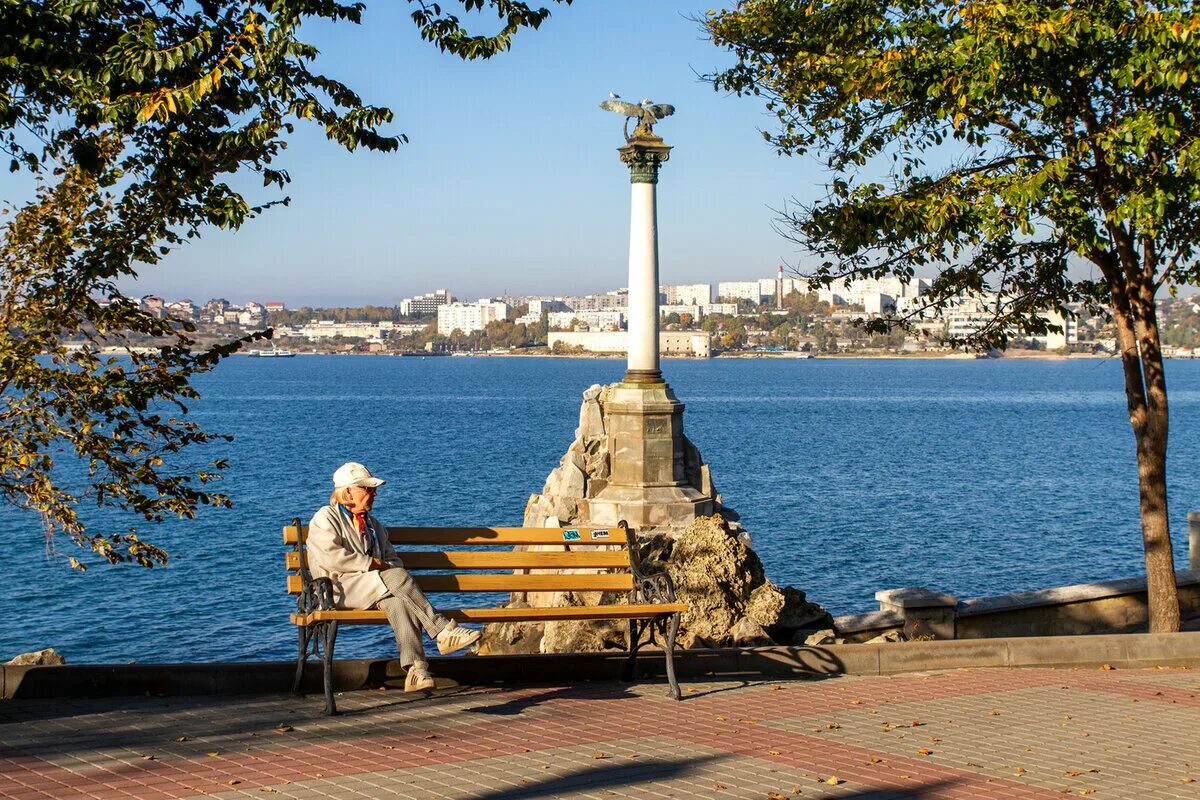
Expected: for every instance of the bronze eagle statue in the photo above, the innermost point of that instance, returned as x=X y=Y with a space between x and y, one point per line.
x=647 y=114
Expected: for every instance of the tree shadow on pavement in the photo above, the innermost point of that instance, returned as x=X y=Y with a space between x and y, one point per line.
x=583 y=691
x=631 y=776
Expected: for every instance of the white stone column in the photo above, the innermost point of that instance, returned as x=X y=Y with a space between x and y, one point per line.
x=643 y=153
x=643 y=280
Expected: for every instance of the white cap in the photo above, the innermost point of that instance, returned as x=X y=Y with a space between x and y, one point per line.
x=354 y=474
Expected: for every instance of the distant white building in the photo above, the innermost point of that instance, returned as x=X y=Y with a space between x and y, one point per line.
x=328 y=329
x=694 y=310
x=670 y=343
x=741 y=290
x=610 y=320
x=688 y=294
x=469 y=317
x=424 y=303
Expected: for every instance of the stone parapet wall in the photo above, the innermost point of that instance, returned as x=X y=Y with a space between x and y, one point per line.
x=1115 y=606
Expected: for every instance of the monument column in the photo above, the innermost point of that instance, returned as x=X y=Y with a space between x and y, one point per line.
x=643 y=153
x=643 y=421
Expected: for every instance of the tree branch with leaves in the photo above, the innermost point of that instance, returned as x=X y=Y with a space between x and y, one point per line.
x=1071 y=135
x=132 y=117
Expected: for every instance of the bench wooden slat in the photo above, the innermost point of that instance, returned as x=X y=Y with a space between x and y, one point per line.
x=520 y=559
x=497 y=536
x=629 y=611
x=568 y=582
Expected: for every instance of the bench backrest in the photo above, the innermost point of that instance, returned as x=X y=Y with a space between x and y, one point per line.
x=474 y=570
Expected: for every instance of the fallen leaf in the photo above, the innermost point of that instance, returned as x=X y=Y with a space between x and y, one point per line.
x=1019 y=771
x=856 y=702
x=388 y=747
x=282 y=728
x=916 y=723
x=719 y=786
x=925 y=751
x=776 y=688
x=1188 y=779
x=797 y=790
x=1066 y=716
x=831 y=726
x=904 y=776
x=1087 y=791
x=233 y=781
x=720 y=718
x=774 y=753
x=213 y=754
x=181 y=738
x=834 y=780
x=994 y=713
x=600 y=755
x=876 y=760
x=748 y=721
x=147 y=758
x=268 y=790
x=1106 y=668
x=1072 y=773
x=429 y=736
x=776 y=796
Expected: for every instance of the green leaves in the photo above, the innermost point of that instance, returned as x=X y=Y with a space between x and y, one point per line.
x=133 y=117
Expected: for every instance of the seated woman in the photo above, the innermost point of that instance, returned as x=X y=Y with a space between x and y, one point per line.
x=351 y=548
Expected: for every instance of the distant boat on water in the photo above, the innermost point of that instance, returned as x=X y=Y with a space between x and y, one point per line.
x=274 y=352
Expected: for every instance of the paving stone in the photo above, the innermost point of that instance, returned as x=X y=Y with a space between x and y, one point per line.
x=727 y=739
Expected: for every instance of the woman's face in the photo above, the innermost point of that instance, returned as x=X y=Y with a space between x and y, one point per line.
x=359 y=499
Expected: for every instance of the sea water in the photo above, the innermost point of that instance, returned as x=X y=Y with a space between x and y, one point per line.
x=851 y=475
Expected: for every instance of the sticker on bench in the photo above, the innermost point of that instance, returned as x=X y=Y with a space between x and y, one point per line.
x=571 y=535
x=602 y=533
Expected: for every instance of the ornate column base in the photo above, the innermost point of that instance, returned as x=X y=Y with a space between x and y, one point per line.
x=648 y=485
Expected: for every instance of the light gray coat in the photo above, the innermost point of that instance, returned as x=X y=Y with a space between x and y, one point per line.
x=336 y=550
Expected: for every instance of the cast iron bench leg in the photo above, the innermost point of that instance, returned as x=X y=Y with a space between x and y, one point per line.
x=669 y=648
x=330 y=632
x=304 y=633
x=635 y=642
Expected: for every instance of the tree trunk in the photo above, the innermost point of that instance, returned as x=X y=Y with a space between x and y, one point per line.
x=1150 y=434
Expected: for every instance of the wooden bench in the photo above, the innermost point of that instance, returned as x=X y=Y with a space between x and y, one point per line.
x=650 y=601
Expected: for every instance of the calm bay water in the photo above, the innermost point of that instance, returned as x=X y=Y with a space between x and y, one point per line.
x=972 y=477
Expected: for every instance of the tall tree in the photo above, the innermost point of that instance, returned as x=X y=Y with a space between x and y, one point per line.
x=132 y=116
x=1011 y=146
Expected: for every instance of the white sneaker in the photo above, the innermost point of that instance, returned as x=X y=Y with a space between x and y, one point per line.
x=418 y=679
x=454 y=637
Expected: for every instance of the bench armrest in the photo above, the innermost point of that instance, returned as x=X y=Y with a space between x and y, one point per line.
x=316 y=595
x=653 y=586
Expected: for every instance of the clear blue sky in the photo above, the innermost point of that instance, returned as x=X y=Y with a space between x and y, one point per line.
x=511 y=179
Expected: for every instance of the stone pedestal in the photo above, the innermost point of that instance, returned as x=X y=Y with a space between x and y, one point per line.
x=648 y=483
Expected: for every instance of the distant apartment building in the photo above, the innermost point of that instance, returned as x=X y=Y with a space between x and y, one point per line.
x=469 y=317
x=739 y=290
x=533 y=314
x=424 y=304
x=697 y=344
x=875 y=295
x=599 y=302
x=611 y=320
x=729 y=309
x=328 y=329
x=182 y=309
x=274 y=305
x=688 y=294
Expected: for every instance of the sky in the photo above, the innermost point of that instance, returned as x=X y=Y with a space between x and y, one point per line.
x=510 y=182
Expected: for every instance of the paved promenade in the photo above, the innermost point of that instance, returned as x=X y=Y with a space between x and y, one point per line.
x=1035 y=733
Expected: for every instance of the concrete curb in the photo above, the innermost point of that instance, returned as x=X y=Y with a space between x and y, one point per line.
x=1121 y=651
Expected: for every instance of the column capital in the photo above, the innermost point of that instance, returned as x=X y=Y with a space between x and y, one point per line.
x=644 y=153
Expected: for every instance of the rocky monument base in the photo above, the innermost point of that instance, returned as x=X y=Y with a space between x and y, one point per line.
x=730 y=600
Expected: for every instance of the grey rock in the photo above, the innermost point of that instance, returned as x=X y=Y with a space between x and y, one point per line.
x=41 y=658
x=593 y=392
x=573 y=482
x=821 y=637
x=887 y=636
x=748 y=633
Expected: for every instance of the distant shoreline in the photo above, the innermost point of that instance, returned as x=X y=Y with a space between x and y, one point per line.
x=1020 y=355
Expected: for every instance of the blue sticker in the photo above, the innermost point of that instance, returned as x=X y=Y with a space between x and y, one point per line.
x=602 y=533
x=571 y=535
